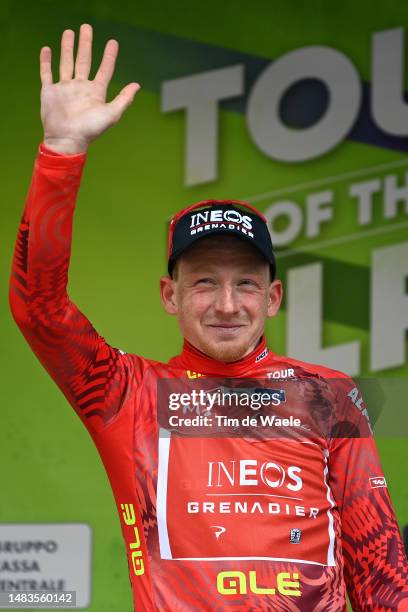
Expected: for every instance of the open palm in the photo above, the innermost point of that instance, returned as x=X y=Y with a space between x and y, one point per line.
x=74 y=110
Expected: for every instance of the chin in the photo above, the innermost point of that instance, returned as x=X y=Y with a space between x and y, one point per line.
x=227 y=352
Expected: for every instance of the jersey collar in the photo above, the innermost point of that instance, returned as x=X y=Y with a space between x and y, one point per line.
x=195 y=361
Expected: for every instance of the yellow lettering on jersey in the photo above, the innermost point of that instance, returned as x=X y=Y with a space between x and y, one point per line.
x=191 y=374
x=236 y=583
x=129 y=518
x=286 y=586
x=258 y=590
x=231 y=583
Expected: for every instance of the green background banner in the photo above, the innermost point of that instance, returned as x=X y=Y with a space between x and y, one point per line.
x=338 y=215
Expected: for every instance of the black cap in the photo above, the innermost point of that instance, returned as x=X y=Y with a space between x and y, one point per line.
x=210 y=217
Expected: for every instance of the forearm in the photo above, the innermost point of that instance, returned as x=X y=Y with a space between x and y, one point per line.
x=41 y=258
x=375 y=564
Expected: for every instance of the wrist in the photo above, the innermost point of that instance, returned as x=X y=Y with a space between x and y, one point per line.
x=66 y=146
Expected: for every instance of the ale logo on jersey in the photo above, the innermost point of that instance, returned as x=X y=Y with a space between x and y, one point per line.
x=221 y=219
x=236 y=582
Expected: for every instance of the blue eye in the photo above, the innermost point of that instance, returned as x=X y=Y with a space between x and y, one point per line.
x=204 y=280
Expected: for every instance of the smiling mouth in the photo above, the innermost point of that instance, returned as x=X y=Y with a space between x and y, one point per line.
x=226 y=326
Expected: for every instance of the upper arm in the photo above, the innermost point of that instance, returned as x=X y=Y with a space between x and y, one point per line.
x=92 y=374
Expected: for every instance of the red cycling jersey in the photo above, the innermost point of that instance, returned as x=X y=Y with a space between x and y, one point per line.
x=214 y=516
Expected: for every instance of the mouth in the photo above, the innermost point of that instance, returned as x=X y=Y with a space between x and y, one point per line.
x=225 y=327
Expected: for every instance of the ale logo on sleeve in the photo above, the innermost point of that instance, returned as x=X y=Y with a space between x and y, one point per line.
x=237 y=498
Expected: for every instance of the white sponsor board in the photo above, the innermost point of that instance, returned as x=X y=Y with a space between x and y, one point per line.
x=46 y=556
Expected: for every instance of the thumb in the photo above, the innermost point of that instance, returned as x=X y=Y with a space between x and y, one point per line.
x=124 y=99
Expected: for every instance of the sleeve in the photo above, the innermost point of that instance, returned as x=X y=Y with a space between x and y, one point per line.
x=92 y=374
x=375 y=564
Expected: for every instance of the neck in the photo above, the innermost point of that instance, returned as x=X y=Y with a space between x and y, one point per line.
x=193 y=359
x=250 y=350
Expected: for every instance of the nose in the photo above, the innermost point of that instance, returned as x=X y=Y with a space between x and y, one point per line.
x=226 y=301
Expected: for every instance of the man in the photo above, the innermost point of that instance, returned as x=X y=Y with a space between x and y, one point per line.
x=277 y=502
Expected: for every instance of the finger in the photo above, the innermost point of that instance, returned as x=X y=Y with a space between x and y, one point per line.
x=45 y=66
x=84 y=54
x=107 y=67
x=66 y=67
x=124 y=99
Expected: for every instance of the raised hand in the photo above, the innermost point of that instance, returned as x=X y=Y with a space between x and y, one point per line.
x=74 y=110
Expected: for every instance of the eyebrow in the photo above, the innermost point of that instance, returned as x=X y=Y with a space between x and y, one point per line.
x=210 y=269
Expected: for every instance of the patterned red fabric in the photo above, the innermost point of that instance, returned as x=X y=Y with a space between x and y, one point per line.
x=220 y=523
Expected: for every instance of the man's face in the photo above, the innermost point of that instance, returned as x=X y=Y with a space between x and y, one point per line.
x=222 y=295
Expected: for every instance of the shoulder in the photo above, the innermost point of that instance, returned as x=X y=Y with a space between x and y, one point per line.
x=306 y=368
x=155 y=368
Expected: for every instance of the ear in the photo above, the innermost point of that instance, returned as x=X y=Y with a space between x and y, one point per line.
x=168 y=294
x=275 y=297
